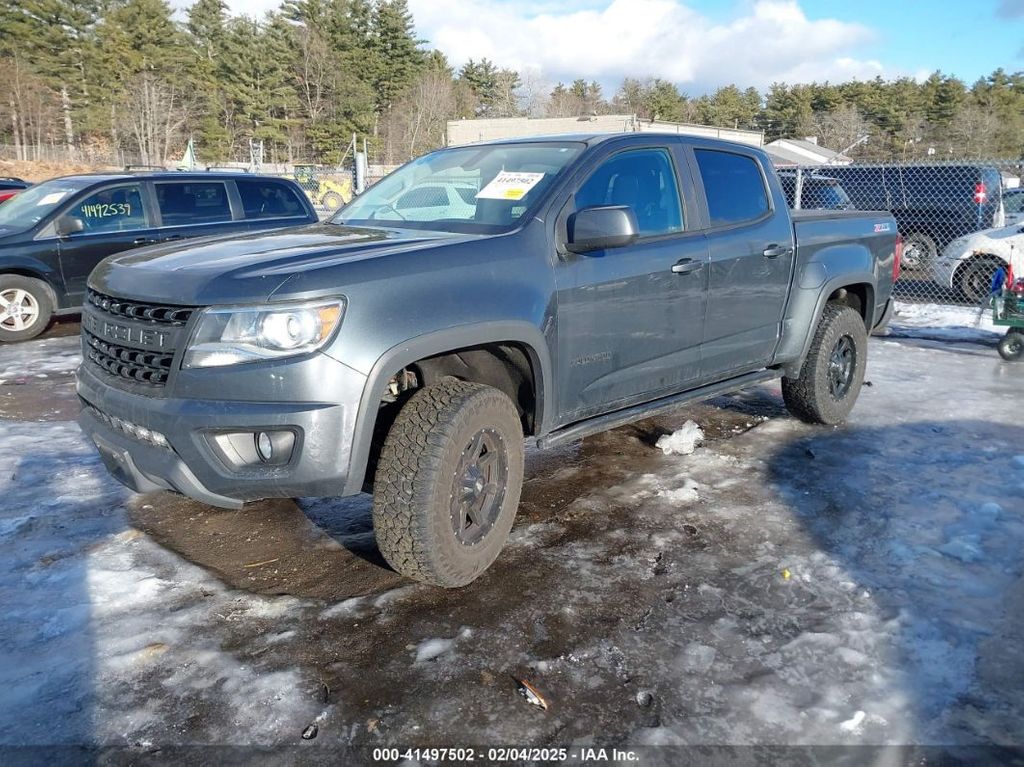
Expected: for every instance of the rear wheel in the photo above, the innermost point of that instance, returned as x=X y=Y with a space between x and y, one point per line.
x=832 y=374
x=1011 y=346
x=448 y=482
x=25 y=307
x=919 y=252
x=975 y=278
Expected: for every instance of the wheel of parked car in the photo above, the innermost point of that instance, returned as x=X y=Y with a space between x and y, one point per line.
x=333 y=201
x=975 y=278
x=25 y=307
x=831 y=375
x=919 y=252
x=448 y=482
x=1011 y=346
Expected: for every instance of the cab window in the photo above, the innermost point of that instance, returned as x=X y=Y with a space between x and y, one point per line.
x=642 y=179
x=733 y=186
x=113 y=209
x=193 y=202
x=266 y=199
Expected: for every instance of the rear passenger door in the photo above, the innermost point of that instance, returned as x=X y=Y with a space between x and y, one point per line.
x=751 y=262
x=194 y=208
x=268 y=204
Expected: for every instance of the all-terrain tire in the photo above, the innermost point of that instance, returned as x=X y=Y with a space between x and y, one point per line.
x=1011 y=346
x=832 y=374
x=33 y=307
x=423 y=471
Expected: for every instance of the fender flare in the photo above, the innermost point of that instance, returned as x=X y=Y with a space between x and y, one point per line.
x=792 y=368
x=440 y=342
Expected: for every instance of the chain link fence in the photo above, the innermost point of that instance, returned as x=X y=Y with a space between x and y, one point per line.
x=960 y=221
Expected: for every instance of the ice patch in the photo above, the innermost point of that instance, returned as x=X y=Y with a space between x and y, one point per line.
x=853 y=723
x=685 y=494
x=433 y=648
x=682 y=441
x=1018 y=461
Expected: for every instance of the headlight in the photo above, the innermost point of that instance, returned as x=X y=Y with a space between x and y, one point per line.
x=246 y=334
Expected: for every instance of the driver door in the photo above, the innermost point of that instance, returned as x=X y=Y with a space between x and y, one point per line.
x=631 y=319
x=114 y=218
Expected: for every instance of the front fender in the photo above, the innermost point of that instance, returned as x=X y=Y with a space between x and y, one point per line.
x=435 y=343
x=40 y=270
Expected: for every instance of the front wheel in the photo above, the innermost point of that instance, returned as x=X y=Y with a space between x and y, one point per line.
x=25 y=307
x=1011 y=346
x=448 y=482
x=332 y=201
x=832 y=374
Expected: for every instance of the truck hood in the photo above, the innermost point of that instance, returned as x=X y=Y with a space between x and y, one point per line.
x=247 y=268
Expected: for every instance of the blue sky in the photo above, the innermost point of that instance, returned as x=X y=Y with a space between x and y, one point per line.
x=702 y=44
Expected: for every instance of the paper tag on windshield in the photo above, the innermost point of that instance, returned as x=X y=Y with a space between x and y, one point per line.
x=509 y=185
x=51 y=198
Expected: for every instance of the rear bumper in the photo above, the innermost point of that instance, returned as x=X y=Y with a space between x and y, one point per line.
x=194 y=462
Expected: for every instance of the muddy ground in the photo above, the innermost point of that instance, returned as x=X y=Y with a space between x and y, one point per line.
x=783 y=585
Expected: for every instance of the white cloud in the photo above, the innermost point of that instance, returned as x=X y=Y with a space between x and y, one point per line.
x=770 y=40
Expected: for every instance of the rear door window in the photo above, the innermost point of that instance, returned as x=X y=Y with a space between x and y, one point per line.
x=269 y=199
x=193 y=202
x=734 y=187
x=112 y=209
x=641 y=179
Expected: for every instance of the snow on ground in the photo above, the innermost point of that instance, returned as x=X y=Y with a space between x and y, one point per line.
x=787 y=585
x=41 y=358
x=944 y=322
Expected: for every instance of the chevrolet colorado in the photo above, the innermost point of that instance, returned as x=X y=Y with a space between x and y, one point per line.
x=547 y=288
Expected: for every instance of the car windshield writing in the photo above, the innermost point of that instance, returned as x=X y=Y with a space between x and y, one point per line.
x=481 y=189
x=28 y=208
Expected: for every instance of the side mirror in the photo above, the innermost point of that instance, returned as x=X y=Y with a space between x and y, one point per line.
x=612 y=226
x=67 y=225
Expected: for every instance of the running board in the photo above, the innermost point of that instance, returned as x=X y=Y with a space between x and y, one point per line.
x=650 y=409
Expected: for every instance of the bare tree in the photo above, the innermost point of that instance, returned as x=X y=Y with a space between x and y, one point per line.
x=972 y=132
x=532 y=93
x=417 y=120
x=152 y=112
x=839 y=128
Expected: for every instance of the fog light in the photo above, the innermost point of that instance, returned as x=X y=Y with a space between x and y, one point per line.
x=264 y=447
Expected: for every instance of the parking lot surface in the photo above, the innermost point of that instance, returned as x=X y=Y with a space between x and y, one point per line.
x=782 y=584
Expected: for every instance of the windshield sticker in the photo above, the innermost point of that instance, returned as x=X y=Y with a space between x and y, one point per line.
x=509 y=185
x=51 y=199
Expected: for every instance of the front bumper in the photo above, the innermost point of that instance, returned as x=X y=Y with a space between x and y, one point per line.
x=192 y=462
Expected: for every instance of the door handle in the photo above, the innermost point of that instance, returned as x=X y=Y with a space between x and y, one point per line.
x=686 y=266
x=774 y=251
x=143 y=241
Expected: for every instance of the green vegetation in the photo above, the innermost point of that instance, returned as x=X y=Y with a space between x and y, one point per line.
x=91 y=77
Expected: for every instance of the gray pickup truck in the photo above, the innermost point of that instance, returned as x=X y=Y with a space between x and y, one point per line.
x=547 y=288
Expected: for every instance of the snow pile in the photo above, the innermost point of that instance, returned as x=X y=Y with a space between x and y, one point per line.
x=682 y=441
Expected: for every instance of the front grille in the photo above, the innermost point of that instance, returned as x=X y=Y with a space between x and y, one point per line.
x=136 y=365
x=134 y=310
x=132 y=340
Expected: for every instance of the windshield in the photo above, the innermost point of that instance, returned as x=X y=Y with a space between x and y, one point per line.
x=28 y=208
x=484 y=189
